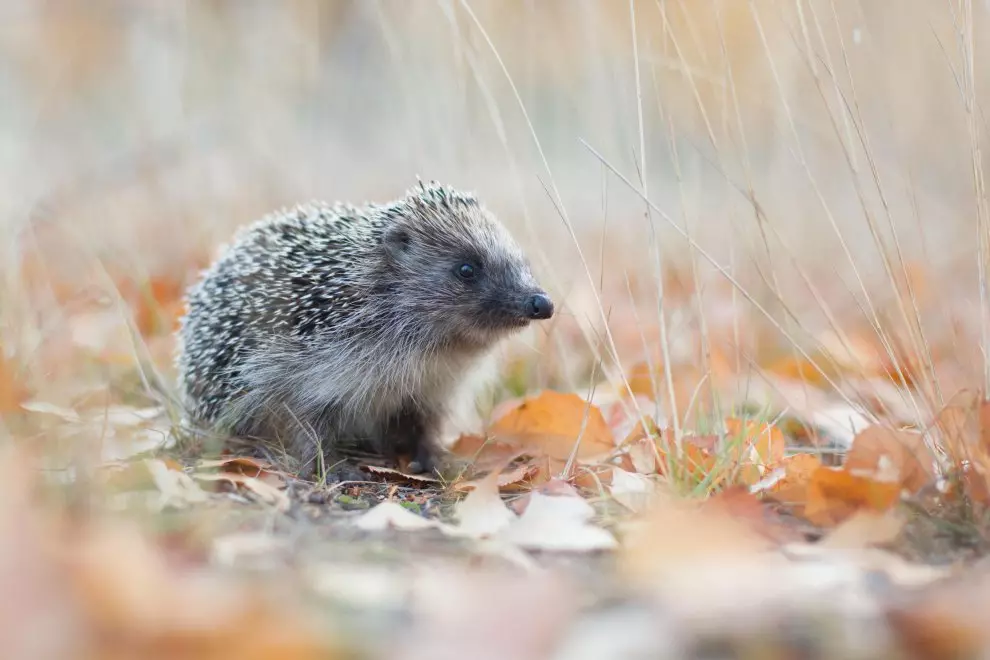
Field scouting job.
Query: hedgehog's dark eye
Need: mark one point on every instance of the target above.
(466, 271)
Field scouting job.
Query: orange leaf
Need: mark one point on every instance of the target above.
(904, 451)
(793, 486)
(157, 304)
(798, 368)
(12, 392)
(984, 419)
(767, 439)
(698, 457)
(641, 381)
(834, 495)
(551, 422)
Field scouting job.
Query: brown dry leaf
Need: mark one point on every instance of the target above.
(514, 479)
(484, 454)
(263, 490)
(592, 477)
(393, 475)
(834, 495)
(551, 422)
(248, 466)
(878, 448)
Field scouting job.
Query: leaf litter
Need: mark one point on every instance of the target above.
(791, 516)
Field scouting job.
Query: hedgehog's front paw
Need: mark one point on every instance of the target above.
(345, 471)
(424, 461)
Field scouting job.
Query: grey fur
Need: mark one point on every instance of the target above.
(325, 326)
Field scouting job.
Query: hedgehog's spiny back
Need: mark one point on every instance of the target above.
(294, 273)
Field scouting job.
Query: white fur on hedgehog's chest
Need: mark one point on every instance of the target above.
(369, 393)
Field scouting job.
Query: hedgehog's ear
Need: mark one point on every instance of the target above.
(396, 241)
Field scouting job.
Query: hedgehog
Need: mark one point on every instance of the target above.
(327, 328)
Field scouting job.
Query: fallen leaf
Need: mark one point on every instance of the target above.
(763, 438)
(557, 523)
(484, 453)
(12, 391)
(641, 446)
(482, 512)
(699, 459)
(551, 423)
(743, 506)
(592, 478)
(834, 495)
(864, 529)
(248, 466)
(984, 421)
(632, 490)
(157, 304)
(132, 475)
(46, 408)
(393, 475)
(906, 451)
(958, 423)
(177, 488)
(390, 515)
(230, 549)
(792, 487)
(266, 492)
(513, 479)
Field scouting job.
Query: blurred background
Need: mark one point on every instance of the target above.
(831, 142)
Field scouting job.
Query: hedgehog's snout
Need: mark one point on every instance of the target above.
(539, 306)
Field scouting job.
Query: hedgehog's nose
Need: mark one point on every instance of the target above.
(539, 306)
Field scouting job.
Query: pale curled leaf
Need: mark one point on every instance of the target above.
(631, 489)
(45, 408)
(390, 515)
(558, 524)
(177, 488)
(482, 512)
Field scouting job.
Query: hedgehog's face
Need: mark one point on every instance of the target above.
(464, 275)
